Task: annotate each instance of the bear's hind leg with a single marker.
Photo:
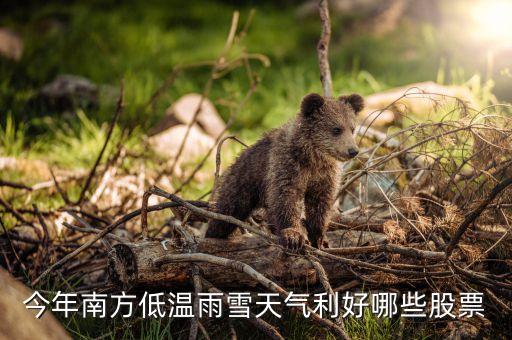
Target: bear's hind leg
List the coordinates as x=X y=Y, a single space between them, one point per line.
x=318 y=203
x=239 y=206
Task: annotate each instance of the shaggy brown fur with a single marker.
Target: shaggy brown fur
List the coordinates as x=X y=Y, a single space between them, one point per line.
x=292 y=168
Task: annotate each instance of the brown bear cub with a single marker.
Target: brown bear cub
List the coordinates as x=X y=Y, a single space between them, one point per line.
x=291 y=169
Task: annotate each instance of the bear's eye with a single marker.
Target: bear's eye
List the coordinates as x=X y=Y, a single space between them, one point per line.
x=337 y=131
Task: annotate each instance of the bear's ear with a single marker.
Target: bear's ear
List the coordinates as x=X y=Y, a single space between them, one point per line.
x=311 y=103
x=354 y=100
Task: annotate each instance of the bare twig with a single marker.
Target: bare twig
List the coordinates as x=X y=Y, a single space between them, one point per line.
x=196 y=279
x=218 y=64
x=94 y=231
x=171 y=78
x=14 y=185
x=218 y=159
x=61 y=192
x=15 y=253
x=210 y=214
x=218 y=140
x=498 y=301
x=119 y=109
x=323 y=49
x=19 y=217
x=144 y=214
x=389 y=248
x=46 y=238
x=347 y=286
x=324 y=279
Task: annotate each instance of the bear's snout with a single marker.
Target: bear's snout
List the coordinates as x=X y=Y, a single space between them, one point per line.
x=352 y=152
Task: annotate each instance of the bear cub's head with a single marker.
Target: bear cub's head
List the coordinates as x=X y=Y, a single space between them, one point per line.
x=330 y=124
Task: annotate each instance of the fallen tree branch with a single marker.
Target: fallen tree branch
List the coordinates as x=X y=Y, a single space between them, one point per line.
x=132 y=264
x=389 y=248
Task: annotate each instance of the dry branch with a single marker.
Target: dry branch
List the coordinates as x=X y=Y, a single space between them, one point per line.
x=323 y=49
x=119 y=109
x=390 y=248
x=61 y=192
x=14 y=185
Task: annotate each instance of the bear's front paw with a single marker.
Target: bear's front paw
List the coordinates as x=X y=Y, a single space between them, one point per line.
x=293 y=239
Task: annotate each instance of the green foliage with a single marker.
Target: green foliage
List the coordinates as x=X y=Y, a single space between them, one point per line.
x=371 y=327
x=76 y=144
x=155 y=329
x=12 y=137
x=142 y=42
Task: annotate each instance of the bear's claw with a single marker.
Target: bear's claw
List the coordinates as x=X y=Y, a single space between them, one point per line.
x=293 y=239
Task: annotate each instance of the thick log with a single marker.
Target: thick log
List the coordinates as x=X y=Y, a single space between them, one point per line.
x=132 y=265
